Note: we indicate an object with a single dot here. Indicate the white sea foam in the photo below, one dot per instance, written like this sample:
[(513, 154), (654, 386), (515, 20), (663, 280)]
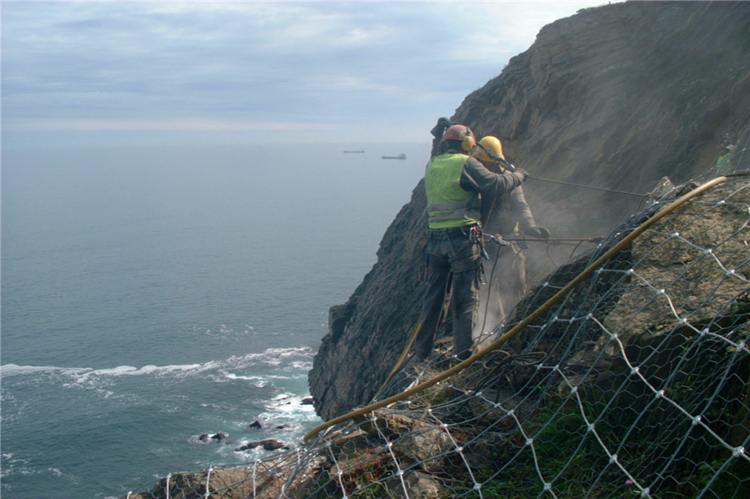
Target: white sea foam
[(272, 357), (282, 364), (301, 365), (258, 381), (293, 359), (289, 404), (15, 370), (84, 373)]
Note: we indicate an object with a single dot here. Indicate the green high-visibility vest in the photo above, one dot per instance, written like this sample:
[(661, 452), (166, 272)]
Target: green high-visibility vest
[(448, 205)]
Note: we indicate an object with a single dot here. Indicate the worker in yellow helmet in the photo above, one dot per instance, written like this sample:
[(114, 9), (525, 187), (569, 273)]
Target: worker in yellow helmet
[(510, 217), (456, 186)]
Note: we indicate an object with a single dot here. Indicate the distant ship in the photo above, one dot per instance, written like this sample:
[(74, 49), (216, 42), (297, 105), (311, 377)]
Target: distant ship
[(361, 151), (400, 156)]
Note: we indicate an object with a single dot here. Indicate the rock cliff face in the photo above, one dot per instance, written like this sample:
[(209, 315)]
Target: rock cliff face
[(614, 97)]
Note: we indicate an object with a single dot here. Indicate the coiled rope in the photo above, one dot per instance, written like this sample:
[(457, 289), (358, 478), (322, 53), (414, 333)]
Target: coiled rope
[(528, 320)]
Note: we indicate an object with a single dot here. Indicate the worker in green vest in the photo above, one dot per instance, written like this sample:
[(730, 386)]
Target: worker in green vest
[(456, 185)]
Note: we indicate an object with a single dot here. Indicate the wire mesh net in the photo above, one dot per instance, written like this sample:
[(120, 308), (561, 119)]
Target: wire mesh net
[(636, 383)]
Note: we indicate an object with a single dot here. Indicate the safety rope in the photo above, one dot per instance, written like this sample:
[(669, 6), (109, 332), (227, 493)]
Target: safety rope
[(489, 288), (616, 191), (401, 359), (593, 240), (528, 320), (207, 495)]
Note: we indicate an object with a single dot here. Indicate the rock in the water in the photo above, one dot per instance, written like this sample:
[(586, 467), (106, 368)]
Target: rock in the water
[(268, 444), (216, 436)]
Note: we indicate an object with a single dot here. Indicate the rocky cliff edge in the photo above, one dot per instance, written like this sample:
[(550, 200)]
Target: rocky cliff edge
[(614, 97)]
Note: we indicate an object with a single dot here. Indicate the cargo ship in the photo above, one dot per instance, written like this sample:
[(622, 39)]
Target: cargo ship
[(400, 156)]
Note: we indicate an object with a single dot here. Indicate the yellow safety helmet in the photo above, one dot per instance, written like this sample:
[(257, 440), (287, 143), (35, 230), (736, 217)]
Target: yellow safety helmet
[(490, 149), (462, 133)]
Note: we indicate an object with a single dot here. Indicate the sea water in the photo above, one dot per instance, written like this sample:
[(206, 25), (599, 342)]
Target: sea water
[(153, 295)]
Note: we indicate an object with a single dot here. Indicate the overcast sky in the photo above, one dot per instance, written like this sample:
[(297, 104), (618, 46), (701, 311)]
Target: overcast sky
[(141, 72)]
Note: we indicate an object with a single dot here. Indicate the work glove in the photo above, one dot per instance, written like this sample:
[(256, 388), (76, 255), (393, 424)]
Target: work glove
[(520, 174), (540, 232)]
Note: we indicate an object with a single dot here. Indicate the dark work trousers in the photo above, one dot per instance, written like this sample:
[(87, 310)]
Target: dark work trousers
[(450, 253)]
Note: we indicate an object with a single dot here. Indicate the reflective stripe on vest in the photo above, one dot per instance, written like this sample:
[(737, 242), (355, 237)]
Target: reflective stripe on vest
[(448, 205)]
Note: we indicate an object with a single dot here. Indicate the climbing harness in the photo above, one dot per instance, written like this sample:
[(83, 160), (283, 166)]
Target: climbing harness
[(475, 237), (614, 250)]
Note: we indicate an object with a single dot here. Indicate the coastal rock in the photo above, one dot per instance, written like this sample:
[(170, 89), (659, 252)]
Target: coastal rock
[(268, 444), (417, 484), (216, 436), (241, 482), (616, 97)]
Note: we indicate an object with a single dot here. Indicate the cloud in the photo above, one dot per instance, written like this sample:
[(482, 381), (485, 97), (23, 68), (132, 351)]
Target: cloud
[(227, 65)]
